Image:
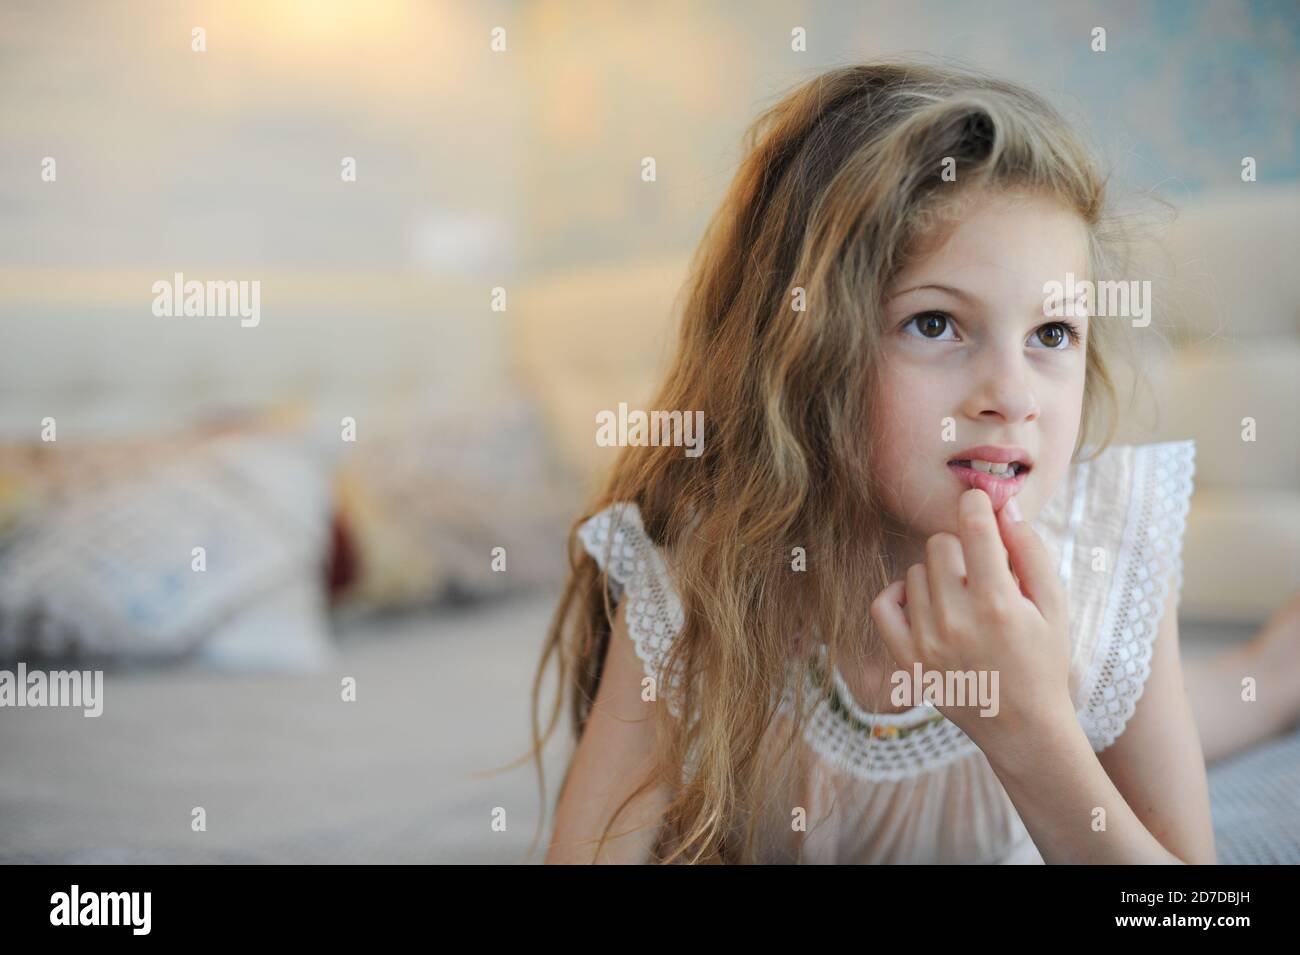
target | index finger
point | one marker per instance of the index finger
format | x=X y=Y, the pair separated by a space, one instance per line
x=895 y=631
x=981 y=542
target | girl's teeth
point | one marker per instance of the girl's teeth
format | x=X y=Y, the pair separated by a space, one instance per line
x=1010 y=470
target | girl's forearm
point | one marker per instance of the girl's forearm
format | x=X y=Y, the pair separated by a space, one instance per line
x=1057 y=785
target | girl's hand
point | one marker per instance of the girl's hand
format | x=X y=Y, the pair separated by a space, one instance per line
x=966 y=612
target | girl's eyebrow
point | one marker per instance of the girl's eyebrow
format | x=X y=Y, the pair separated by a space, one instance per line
x=1061 y=299
x=959 y=293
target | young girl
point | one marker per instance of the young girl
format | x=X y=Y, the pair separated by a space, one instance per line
x=901 y=472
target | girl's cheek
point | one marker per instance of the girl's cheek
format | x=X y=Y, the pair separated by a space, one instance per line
x=924 y=399
x=905 y=373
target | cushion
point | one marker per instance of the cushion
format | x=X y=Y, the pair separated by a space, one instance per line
x=428 y=492
x=96 y=557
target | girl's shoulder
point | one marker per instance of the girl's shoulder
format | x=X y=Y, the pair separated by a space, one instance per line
x=1119 y=498
x=1116 y=526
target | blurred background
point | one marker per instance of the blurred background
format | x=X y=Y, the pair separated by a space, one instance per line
x=350 y=463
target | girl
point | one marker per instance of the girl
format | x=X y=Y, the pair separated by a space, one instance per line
x=901 y=473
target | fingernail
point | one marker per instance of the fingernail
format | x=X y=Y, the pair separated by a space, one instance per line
x=1012 y=509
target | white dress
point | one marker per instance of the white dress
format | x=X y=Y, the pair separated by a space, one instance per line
x=912 y=787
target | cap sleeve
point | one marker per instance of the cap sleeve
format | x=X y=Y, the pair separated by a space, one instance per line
x=616 y=538
x=1128 y=556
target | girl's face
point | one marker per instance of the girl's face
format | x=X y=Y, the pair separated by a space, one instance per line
x=973 y=371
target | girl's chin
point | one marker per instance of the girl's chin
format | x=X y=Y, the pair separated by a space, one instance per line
x=932 y=517
x=936 y=512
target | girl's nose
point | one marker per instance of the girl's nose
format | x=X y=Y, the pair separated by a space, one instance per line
x=1004 y=392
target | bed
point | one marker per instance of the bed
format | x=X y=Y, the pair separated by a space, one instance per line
x=287 y=772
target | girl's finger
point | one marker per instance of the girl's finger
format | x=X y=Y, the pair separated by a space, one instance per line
x=887 y=612
x=946 y=576
x=1032 y=564
x=919 y=611
x=986 y=555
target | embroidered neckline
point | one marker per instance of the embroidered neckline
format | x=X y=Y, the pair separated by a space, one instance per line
x=882 y=725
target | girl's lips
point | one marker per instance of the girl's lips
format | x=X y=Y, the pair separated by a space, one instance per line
x=999 y=489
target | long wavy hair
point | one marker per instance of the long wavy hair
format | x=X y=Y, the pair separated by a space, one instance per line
x=841 y=180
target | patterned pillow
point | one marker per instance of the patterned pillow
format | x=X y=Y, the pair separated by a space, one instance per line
x=427 y=499
x=143 y=550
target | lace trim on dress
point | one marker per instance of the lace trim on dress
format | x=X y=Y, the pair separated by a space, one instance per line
x=616 y=538
x=1148 y=564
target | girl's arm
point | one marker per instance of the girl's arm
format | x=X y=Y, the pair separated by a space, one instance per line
x=1150 y=782
x=612 y=758
x=1226 y=723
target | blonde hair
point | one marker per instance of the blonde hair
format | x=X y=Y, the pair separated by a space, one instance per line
x=841 y=179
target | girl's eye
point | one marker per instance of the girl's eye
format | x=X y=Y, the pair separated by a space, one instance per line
x=1056 y=336
x=938 y=326
x=931 y=325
